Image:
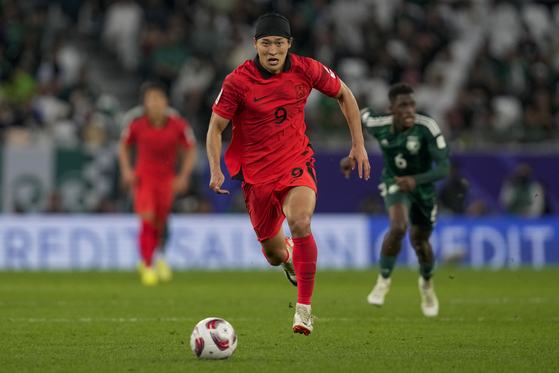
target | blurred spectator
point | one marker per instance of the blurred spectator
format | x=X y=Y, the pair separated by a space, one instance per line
x=452 y=196
x=168 y=57
x=121 y=32
x=477 y=208
x=520 y=195
x=20 y=86
x=54 y=204
x=533 y=128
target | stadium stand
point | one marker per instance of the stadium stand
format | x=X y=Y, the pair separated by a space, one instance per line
x=486 y=71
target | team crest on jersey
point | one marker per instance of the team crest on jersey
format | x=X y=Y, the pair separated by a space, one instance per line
x=300 y=90
x=413 y=144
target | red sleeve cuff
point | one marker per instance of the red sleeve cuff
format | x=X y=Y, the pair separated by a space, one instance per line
x=220 y=112
x=337 y=90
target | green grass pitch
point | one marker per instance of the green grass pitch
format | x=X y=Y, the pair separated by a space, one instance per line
x=505 y=321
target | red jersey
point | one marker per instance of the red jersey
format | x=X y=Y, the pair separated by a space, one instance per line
x=268 y=115
x=157 y=147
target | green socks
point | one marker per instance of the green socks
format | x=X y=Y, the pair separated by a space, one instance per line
x=426 y=270
x=386 y=264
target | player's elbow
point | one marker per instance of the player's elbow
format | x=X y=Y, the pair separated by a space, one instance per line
x=344 y=93
x=445 y=168
x=122 y=148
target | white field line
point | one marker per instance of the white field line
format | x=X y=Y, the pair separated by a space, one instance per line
x=245 y=319
x=99 y=319
x=170 y=302
x=505 y=300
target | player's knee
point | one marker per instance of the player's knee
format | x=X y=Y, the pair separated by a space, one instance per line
x=275 y=258
x=274 y=261
x=420 y=240
x=300 y=226
x=418 y=244
x=398 y=229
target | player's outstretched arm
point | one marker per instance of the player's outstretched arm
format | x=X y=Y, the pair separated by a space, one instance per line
x=126 y=171
x=358 y=154
x=213 y=148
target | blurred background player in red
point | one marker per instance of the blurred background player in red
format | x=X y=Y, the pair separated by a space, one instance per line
x=162 y=268
x=160 y=137
x=265 y=98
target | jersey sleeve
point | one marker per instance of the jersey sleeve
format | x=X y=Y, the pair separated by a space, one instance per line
x=438 y=149
x=230 y=97
x=129 y=134
x=186 y=134
x=372 y=122
x=324 y=79
x=440 y=153
x=132 y=114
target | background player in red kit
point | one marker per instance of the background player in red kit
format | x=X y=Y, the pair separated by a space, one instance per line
x=163 y=270
x=271 y=154
x=160 y=137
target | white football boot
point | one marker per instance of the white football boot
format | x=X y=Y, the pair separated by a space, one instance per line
x=379 y=291
x=430 y=303
x=303 y=320
x=288 y=265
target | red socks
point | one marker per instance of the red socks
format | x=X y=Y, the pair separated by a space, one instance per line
x=304 y=261
x=148 y=241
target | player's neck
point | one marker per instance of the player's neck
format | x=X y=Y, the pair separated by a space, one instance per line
x=399 y=128
x=157 y=121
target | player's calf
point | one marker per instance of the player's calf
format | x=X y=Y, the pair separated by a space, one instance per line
x=304 y=262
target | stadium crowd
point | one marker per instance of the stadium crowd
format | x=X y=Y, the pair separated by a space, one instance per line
x=485 y=70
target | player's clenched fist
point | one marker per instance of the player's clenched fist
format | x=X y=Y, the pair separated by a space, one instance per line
x=405 y=183
x=345 y=167
x=216 y=182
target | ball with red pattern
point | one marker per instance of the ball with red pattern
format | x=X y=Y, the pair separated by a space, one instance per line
x=213 y=338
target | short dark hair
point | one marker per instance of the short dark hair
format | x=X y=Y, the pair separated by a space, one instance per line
x=150 y=85
x=399 y=89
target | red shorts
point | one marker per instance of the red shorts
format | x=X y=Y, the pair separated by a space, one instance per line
x=264 y=201
x=154 y=196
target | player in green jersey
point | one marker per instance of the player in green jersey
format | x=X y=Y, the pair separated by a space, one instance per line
x=410 y=144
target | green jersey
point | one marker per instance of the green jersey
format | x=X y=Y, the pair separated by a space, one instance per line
x=411 y=152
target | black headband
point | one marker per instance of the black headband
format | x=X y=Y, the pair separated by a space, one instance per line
x=272 y=24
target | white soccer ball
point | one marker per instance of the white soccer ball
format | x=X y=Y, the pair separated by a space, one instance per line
x=213 y=338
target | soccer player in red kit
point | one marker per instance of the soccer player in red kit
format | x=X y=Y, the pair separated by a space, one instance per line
x=270 y=153
x=160 y=137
